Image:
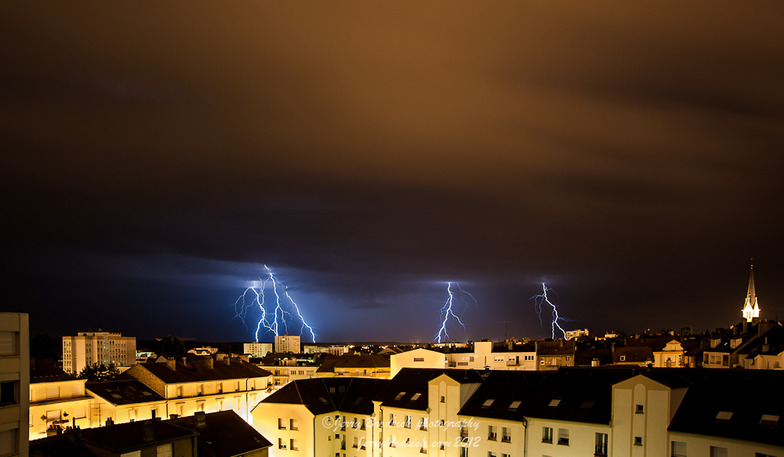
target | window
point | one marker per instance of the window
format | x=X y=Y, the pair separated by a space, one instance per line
x=399 y=396
x=563 y=436
x=391 y=420
x=362 y=424
x=423 y=424
x=514 y=405
x=555 y=402
x=491 y=433
x=443 y=399
x=423 y=447
x=8 y=393
x=638 y=441
x=356 y=443
x=547 y=434
x=407 y=423
x=638 y=409
x=415 y=397
x=600 y=447
x=281 y=443
x=488 y=403
x=419 y=359
x=506 y=436
x=463 y=433
x=280 y=424
x=293 y=424
x=718 y=451
x=8 y=440
x=622 y=358
x=678 y=449
x=293 y=445
x=463 y=451
x=490 y=454
x=392 y=442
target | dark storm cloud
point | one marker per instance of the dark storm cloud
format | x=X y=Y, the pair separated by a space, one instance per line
x=369 y=152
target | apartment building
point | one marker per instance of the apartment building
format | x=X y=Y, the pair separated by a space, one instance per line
x=57 y=400
x=14 y=383
x=204 y=384
x=91 y=348
x=460 y=413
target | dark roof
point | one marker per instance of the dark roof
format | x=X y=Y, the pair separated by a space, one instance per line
x=47 y=371
x=362 y=361
x=328 y=364
x=197 y=369
x=411 y=381
x=323 y=395
x=632 y=354
x=746 y=394
x=770 y=343
x=123 y=392
x=131 y=435
x=585 y=357
x=559 y=347
x=581 y=395
x=58 y=446
x=223 y=434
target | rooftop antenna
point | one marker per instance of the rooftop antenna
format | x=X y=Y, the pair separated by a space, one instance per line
x=506 y=328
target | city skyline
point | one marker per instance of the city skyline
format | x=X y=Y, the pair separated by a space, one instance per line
x=158 y=157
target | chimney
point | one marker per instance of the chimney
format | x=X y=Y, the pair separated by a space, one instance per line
x=109 y=422
x=148 y=433
x=208 y=362
x=201 y=419
x=765 y=347
x=171 y=363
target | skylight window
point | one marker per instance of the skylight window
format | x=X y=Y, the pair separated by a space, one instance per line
x=770 y=420
x=324 y=400
x=415 y=396
x=587 y=404
x=514 y=405
x=399 y=396
x=555 y=402
x=488 y=402
x=724 y=415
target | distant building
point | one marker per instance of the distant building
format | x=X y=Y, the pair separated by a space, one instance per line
x=287 y=343
x=488 y=356
x=416 y=358
x=257 y=349
x=96 y=348
x=14 y=383
x=572 y=334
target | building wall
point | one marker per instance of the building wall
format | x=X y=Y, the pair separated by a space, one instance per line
x=642 y=410
x=700 y=446
x=257 y=349
x=581 y=438
x=56 y=401
x=417 y=358
x=287 y=343
x=15 y=383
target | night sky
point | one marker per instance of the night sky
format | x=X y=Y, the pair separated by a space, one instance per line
x=157 y=154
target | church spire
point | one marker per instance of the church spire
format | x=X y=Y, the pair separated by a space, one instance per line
x=751 y=308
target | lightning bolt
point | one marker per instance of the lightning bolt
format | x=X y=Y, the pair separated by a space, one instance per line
x=447 y=311
x=276 y=321
x=540 y=300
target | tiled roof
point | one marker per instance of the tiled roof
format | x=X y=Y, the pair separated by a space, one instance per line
x=123 y=392
x=581 y=395
x=324 y=395
x=223 y=434
x=47 y=371
x=744 y=404
x=198 y=370
x=412 y=381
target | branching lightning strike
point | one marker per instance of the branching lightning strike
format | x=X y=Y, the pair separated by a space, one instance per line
x=277 y=320
x=447 y=310
x=541 y=299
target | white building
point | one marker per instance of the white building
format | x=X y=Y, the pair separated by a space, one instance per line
x=14 y=383
x=570 y=412
x=256 y=349
x=485 y=357
x=91 y=348
x=287 y=343
x=416 y=358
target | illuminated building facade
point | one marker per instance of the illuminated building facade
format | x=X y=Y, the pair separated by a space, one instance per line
x=14 y=383
x=287 y=343
x=96 y=348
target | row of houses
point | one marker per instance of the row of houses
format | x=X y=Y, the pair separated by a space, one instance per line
x=462 y=413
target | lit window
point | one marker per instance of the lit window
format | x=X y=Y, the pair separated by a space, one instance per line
x=547 y=434
x=563 y=436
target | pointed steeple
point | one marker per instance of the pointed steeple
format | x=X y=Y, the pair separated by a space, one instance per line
x=751 y=308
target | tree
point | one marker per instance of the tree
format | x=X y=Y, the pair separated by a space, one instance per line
x=99 y=372
x=170 y=346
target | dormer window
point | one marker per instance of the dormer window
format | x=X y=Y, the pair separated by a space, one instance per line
x=554 y=402
x=399 y=396
x=415 y=396
x=488 y=402
x=514 y=405
x=724 y=415
x=769 y=420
